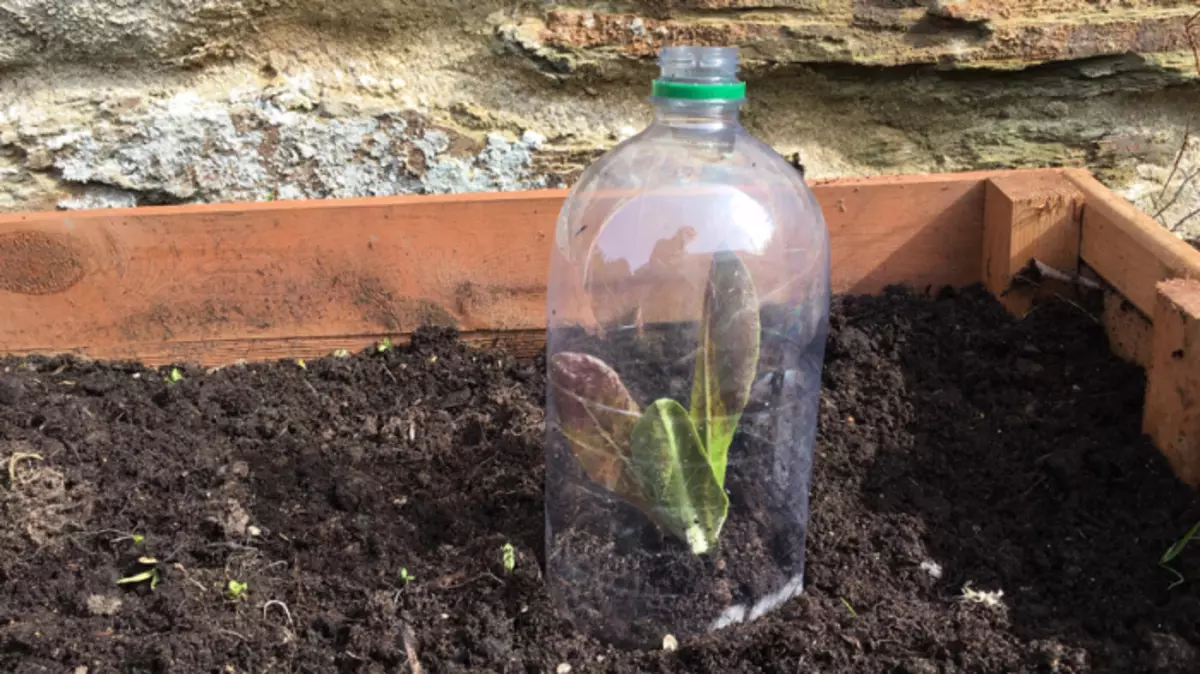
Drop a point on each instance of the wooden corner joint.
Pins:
(1029, 217)
(1172, 412)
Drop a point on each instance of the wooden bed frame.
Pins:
(216, 284)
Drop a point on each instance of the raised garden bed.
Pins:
(366, 500)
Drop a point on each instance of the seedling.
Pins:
(174, 376)
(384, 345)
(670, 461)
(510, 558)
(341, 353)
(301, 364)
(137, 539)
(1174, 551)
(406, 576)
(235, 590)
(150, 575)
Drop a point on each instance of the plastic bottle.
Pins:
(688, 310)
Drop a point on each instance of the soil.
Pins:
(365, 501)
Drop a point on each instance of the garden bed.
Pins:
(365, 502)
(352, 513)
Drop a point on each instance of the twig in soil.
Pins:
(485, 574)
(16, 458)
(283, 607)
(853, 613)
(389, 373)
(410, 650)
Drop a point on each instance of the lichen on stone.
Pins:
(279, 145)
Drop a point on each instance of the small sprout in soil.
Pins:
(235, 590)
(137, 539)
(384, 345)
(301, 364)
(1174, 551)
(667, 460)
(849, 608)
(406, 576)
(151, 575)
(985, 597)
(670, 643)
(510, 558)
(341, 353)
(175, 376)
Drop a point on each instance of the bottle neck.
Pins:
(696, 115)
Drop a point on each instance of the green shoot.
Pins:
(235, 590)
(406, 576)
(341, 353)
(301, 364)
(150, 575)
(175, 376)
(1174, 551)
(510, 558)
(668, 460)
(853, 613)
(384, 345)
(137, 539)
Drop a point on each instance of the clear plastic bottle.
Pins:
(688, 310)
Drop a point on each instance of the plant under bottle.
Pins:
(668, 460)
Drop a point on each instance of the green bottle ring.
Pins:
(699, 91)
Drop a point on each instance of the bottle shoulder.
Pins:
(716, 182)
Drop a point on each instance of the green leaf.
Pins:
(235, 589)
(596, 414)
(727, 357)
(674, 476)
(1173, 551)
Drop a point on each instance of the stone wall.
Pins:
(119, 102)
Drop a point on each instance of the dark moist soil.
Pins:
(957, 449)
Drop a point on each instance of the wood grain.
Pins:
(1130, 333)
(1126, 247)
(1172, 412)
(1029, 216)
(218, 283)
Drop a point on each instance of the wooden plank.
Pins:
(1027, 217)
(922, 233)
(1130, 333)
(1127, 248)
(1172, 413)
(216, 283)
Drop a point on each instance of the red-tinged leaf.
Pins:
(596, 414)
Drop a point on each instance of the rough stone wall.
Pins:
(120, 102)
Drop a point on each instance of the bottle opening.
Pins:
(699, 74)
